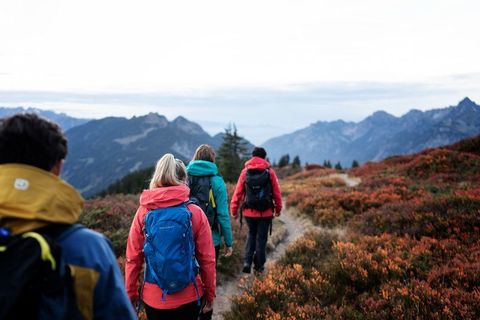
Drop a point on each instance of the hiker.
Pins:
(170, 290)
(76, 276)
(209, 190)
(203, 165)
(257, 195)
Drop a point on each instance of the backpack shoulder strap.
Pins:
(191, 201)
(211, 196)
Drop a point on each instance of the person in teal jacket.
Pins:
(203, 164)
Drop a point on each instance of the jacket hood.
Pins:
(202, 168)
(257, 163)
(31, 198)
(164, 196)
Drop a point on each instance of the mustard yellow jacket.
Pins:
(31, 198)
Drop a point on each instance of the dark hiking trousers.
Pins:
(187, 311)
(255, 248)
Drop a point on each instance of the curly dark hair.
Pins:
(29, 139)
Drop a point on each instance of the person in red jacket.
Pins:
(168, 188)
(258, 194)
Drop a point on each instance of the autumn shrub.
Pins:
(448, 164)
(365, 170)
(473, 193)
(329, 205)
(331, 217)
(286, 171)
(367, 277)
(439, 217)
(112, 216)
(419, 300)
(284, 293)
(310, 250)
(469, 145)
(311, 171)
(312, 185)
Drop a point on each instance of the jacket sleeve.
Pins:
(97, 280)
(277, 194)
(111, 300)
(238, 194)
(204, 250)
(134, 257)
(221, 200)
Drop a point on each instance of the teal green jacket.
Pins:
(207, 168)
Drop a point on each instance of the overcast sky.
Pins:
(269, 66)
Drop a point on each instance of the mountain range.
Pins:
(105, 150)
(102, 151)
(65, 121)
(379, 135)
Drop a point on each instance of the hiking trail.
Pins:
(290, 226)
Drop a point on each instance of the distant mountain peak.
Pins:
(382, 114)
(154, 118)
(380, 117)
(187, 126)
(467, 103)
(180, 119)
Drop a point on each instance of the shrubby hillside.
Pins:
(403, 244)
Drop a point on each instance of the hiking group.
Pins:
(51, 267)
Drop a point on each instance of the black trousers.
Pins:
(187, 311)
(255, 248)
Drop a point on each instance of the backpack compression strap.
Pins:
(211, 198)
(44, 247)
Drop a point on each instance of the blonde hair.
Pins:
(204, 152)
(168, 172)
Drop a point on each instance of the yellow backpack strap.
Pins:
(211, 198)
(46, 254)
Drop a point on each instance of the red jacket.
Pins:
(256, 163)
(204, 251)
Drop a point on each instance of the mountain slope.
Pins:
(379, 135)
(102, 151)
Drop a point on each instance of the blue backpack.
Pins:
(169, 249)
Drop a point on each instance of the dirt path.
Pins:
(350, 181)
(292, 226)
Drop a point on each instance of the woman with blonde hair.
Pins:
(173, 238)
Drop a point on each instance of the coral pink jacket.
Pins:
(256, 163)
(205, 252)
